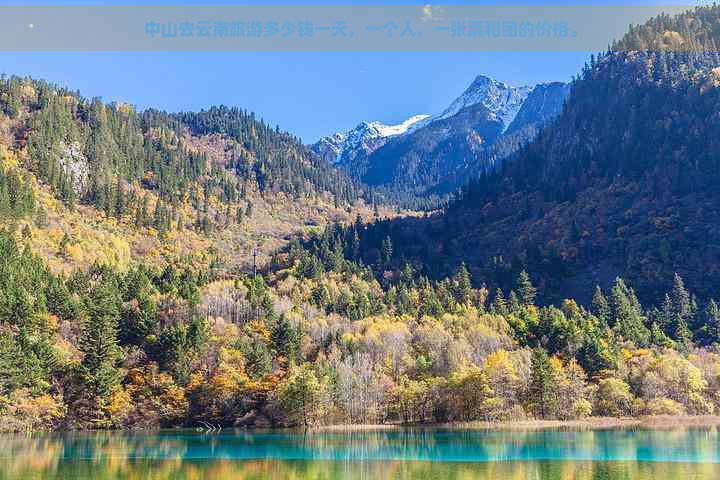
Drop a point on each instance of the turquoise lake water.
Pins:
(425, 454)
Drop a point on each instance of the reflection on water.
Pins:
(426, 454)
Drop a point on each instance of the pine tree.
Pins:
(629, 319)
(513, 302)
(543, 386)
(682, 312)
(712, 322)
(596, 354)
(499, 305)
(665, 316)
(463, 286)
(526, 289)
(286, 339)
(407, 275)
(98, 342)
(601, 307)
(658, 337)
(430, 303)
(138, 318)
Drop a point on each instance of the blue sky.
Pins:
(308, 93)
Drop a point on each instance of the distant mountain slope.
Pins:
(436, 153)
(502, 101)
(368, 136)
(350, 149)
(489, 121)
(427, 157)
(623, 182)
(544, 103)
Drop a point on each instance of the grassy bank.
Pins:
(660, 422)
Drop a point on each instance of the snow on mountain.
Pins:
(483, 126)
(400, 128)
(501, 99)
(464, 133)
(367, 135)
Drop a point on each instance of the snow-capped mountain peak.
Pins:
(350, 149)
(400, 128)
(366, 135)
(499, 98)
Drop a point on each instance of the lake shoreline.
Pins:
(593, 423)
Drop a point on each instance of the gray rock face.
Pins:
(75, 164)
(502, 101)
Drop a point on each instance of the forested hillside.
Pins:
(83, 147)
(113, 182)
(579, 279)
(123, 235)
(318, 340)
(623, 183)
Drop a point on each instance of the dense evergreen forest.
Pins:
(318, 340)
(91, 152)
(578, 280)
(622, 183)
